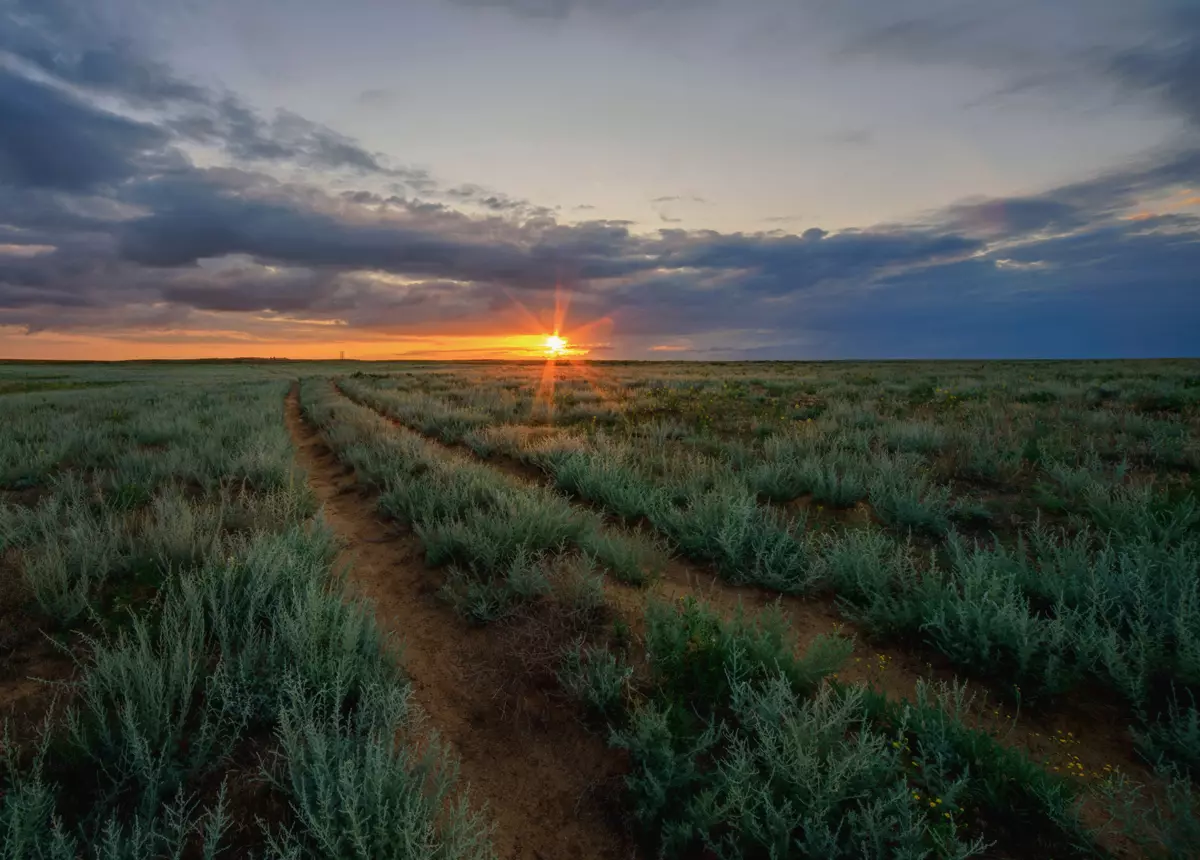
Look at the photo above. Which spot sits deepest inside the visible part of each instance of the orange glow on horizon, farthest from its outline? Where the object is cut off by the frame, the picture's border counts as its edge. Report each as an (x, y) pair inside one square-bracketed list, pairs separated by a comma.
[(219, 336), (15, 344)]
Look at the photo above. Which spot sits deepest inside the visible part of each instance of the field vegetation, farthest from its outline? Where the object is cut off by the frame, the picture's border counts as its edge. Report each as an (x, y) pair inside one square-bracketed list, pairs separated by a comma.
[(802, 610)]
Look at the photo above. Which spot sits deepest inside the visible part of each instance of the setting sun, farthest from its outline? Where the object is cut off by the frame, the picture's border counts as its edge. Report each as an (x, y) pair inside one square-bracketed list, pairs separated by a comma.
[(555, 345)]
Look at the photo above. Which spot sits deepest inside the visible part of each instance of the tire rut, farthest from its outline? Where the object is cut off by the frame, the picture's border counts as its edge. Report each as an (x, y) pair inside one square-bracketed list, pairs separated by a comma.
[(536, 778)]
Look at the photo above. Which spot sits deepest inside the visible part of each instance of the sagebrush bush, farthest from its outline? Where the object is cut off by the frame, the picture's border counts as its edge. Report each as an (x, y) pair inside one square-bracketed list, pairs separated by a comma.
[(909, 500), (695, 655), (631, 555), (358, 790), (597, 678), (876, 580), (784, 775), (1173, 739), (1163, 821), (979, 616), (747, 543)]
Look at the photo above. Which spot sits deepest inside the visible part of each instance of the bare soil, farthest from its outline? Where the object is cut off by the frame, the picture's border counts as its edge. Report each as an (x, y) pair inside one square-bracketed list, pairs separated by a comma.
[(536, 776), (29, 661)]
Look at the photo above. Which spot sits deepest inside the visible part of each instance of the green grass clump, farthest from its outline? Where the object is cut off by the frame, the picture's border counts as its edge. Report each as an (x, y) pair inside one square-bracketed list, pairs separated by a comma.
[(874, 578), (695, 655), (979, 616), (359, 791), (483, 596), (741, 748), (747, 542), (1173, 738), (602, 477), (785, 776), (597, 678), (909, 501), (834, 477)]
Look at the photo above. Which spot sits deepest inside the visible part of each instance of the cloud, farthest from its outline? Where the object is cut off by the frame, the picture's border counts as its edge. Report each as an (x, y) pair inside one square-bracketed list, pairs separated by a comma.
[(246, 136), (50, 139), (1069, 207), (132, 236), (1169, 68), (928, 287), (855, 137), (66, 41), (495, 201), (378, 97), (1149, 49), (561, 9)]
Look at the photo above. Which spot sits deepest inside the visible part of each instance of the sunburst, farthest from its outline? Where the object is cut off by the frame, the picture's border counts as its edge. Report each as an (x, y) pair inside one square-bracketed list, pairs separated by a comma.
[(561, 345), (556, 345)]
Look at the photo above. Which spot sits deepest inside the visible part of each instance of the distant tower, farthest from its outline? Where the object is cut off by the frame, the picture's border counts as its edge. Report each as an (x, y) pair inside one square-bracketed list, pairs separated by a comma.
[(343, 355)]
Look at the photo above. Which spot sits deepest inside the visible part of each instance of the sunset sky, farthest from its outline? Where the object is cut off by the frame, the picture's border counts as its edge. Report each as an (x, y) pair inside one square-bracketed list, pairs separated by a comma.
[(715, 179)]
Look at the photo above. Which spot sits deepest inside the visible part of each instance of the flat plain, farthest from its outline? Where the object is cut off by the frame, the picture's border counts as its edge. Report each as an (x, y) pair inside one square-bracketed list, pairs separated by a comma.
[(600, 609)]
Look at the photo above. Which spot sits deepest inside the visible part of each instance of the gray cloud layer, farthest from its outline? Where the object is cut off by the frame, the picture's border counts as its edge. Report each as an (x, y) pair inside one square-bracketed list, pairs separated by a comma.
[(135, 226)]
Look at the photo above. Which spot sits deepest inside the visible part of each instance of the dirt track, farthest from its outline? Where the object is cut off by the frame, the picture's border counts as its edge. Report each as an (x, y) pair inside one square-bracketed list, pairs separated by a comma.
[(535, 776)]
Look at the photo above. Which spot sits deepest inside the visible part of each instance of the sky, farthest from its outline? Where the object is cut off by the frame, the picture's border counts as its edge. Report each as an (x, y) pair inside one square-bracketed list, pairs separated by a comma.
[(670, 179)]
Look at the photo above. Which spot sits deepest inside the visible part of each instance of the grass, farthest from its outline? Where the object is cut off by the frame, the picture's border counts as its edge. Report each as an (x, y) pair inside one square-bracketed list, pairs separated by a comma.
[(1033, 525), (1004, 590), (216, 652), (741, 747), (487, 527)]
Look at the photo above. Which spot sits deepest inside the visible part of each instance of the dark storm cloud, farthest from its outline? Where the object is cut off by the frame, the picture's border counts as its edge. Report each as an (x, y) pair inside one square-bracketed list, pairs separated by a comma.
[(1017, 216), (195, 215), (198, 216), (49, 139), (251, 289), (1106, 294)]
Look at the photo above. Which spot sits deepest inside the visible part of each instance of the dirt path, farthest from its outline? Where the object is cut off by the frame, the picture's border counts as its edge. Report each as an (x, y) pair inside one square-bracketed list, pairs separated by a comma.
[(535, 776), (1090, 729)]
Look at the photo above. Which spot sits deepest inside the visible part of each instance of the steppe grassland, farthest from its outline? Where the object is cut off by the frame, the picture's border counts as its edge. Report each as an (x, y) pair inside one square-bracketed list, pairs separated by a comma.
[(217, 694), (1032, 526)]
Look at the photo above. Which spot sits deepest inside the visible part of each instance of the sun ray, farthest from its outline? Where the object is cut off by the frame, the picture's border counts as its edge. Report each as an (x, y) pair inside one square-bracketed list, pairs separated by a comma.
[(563, 358)]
